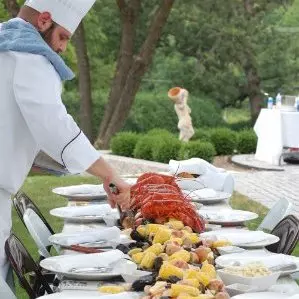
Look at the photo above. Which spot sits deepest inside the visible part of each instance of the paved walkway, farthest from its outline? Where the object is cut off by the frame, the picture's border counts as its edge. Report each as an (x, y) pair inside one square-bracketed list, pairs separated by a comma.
[(265, 187)]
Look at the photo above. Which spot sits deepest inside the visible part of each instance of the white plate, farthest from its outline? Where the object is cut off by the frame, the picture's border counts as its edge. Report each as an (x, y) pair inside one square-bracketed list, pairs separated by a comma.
[(257, 256), (63, 264), (219, 196), (90, 294), (261, 295), (190, 184), (83, 213), (243, 238), (227, 216), (85, 191)]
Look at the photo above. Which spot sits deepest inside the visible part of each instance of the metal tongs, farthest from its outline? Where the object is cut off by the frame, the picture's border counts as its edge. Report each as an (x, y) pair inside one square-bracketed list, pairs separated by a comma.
[(114, 190)]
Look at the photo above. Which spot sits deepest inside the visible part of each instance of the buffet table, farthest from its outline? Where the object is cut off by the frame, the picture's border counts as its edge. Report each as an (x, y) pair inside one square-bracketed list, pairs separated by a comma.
[(275, 130), (285, 285)]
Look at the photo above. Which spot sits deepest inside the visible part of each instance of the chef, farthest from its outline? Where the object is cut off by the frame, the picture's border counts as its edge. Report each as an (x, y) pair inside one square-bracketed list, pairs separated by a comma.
[(32, 115)]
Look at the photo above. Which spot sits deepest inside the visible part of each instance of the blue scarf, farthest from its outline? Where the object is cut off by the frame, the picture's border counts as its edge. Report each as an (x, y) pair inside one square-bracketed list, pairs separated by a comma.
[(20, 36)]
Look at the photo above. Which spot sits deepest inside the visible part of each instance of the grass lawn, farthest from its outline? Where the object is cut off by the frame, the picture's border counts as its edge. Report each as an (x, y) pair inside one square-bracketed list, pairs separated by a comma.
[(39, 189)]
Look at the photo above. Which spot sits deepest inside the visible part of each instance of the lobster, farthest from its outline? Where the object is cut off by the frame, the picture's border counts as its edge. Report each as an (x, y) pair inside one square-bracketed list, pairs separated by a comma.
[(158, 197)]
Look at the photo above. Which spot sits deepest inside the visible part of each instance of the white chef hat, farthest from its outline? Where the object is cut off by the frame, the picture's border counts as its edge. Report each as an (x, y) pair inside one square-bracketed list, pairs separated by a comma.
[(66, 13)]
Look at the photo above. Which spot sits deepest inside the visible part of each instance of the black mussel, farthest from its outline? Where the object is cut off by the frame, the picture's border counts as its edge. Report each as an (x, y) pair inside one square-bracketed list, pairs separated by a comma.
[(187, 248), (123, 248), (158, 263), (136, 236), (136, 245), (173, 279), (165, 297), (198, 244), (138, 285)]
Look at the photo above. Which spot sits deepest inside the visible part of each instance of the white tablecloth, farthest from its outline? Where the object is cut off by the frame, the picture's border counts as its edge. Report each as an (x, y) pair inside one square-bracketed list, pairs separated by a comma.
[(275, 129)]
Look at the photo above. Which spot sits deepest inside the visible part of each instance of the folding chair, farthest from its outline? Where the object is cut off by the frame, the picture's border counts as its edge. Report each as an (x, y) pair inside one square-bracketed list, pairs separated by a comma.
[(280, 209), (288, 232), (39, 232), (22, 202), (23, 264)]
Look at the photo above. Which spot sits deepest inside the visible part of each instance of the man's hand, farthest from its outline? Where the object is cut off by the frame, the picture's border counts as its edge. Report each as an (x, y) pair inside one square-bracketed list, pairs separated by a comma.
[(123, 196)]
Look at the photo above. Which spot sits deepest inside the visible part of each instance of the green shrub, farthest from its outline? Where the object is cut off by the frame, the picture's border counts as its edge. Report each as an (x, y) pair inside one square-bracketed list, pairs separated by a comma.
[(124, 143), (247, 141), (240, 125), (165, 148), (202, 134), (144, 147), (159, 132), (224, 141), (197, 149)]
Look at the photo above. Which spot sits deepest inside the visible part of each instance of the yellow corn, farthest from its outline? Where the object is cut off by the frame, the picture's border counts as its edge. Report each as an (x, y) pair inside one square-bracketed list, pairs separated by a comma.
[(141, 229), (111, 289), (155, 248), (162, 235), (194, 238), (190, 282), (181, 255), (175, 224), (167, 270), (133, 251), (177, 289), (199, 276), (148, 260), (153, 228), (137, 257), (209, 270), (221, 243), (201, 296)]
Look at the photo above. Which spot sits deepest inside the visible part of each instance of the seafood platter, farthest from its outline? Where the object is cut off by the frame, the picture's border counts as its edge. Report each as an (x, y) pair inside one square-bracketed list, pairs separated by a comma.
[(170, 259)]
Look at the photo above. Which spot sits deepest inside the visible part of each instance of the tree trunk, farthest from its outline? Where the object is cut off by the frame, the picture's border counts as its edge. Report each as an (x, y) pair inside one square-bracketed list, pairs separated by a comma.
[(139, 66), (129, 14), (254, 92), (12, 7), (84, 82)]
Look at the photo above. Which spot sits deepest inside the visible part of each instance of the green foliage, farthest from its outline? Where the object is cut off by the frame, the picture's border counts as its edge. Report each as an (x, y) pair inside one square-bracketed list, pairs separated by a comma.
[(247, 142), (224, 140), (154, 110), (144, 147), (124, 143), (202, 134), (159, 132), (165, 149), (198, 149)]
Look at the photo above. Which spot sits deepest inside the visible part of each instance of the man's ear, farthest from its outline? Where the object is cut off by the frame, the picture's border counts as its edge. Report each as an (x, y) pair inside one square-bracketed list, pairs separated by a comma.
[(44, 21)]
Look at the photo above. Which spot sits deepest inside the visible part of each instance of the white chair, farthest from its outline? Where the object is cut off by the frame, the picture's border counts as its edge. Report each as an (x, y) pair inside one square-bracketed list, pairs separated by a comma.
[(280, 209), (39, 232)]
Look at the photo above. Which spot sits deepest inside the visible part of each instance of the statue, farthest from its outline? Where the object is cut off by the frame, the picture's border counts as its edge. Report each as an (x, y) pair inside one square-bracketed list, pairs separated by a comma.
[(180, 97)]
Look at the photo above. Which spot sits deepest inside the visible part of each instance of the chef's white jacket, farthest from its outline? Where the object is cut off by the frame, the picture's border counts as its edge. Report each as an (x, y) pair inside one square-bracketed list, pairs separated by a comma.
[(33, 118)]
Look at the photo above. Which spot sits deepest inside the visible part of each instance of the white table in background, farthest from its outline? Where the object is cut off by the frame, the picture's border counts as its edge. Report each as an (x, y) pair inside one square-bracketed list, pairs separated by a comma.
[(275, 130)]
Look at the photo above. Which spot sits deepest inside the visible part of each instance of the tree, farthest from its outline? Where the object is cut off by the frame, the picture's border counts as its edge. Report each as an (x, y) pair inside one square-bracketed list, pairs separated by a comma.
[(131, 66), (12, 7), (84, 81)]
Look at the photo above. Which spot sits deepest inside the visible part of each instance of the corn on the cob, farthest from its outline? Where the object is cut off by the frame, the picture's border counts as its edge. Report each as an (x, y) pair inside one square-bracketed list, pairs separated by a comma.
[(177, 289), (183, 255), (148, 260), (141, 229), (137, 257), (221, 243), (200, 276), (153, 228), (209, 270), (162, 235), (175, 224), (190, 282), (194, 238), (134, 251), (155, 248), (111, 289), (167, 270)]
